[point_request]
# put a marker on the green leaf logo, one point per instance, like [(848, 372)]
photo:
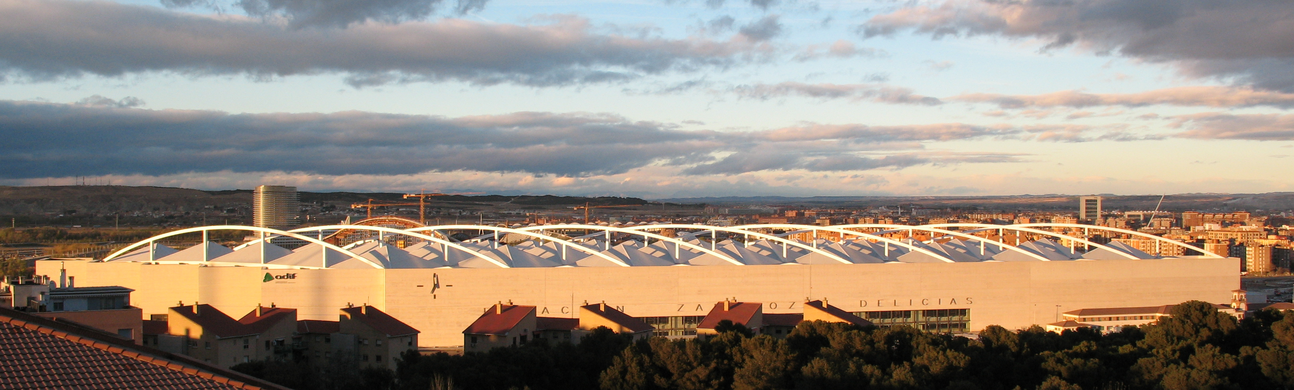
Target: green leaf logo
[(268, 277)]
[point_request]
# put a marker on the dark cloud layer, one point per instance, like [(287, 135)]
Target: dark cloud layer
[(112, 39), (872, 92), (97, 138), (333, 13), (1248, 41), (1254, 127)]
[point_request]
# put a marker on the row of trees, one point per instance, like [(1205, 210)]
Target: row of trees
[(53, 234), (1197, 348)]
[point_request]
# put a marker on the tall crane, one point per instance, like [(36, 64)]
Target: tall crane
[(587, 206), (422, 201), (370, 206)]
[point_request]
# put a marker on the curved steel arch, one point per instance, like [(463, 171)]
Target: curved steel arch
[(578, 247), (410, 234), (676, 241), (326, 245), (985, 226), (843, 230), (829, 255), (1124, 231), (375, 221)]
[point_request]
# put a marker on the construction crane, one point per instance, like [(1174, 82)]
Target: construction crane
[(370, 206), (587, 206), (422, 201)]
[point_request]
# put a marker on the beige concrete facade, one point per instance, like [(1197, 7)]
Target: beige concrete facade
[(1010, 294)]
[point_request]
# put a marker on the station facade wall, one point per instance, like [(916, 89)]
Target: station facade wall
[(443, 302)]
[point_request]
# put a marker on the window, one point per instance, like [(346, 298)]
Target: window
[(58, 306), (379, 342), (366, 357), (126, 333), (246, 358), (378, 358), (207, 344), (246, 343), (267, 345), (473, 339)]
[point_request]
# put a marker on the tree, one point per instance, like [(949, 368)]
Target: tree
[(764, 363)]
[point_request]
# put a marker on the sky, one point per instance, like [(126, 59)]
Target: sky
[(653, 99)]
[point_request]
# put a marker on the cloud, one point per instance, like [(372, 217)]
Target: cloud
[(1181, 96), (113, 39), (1243, 41), (763, 4), (872, 92), (332, 13), (58, 140), (838, 49), (743, 162), (938, 66), (863, 133), (1255, 127), (100, 101), (762, 30)]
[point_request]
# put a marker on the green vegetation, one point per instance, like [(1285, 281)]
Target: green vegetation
[(1197, 348), (53, 235), (14, 268)]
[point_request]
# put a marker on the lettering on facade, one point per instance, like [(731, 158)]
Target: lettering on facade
[(271, 277), (915, 302)]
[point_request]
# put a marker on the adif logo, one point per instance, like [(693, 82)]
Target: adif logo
[(270, 278)]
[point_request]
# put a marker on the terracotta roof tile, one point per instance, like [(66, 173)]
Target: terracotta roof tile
[(37, 353), (842, 315), (262, 318), (620, 318), (494, 322), (738, 313), (212, 320), (380, 321)]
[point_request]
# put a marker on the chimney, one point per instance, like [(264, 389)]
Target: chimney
[(260, 310), (71, 282), (364, 310), (726, 304), (824, 302), (603, 306), (197, 309), (62, 277), (498, 309)]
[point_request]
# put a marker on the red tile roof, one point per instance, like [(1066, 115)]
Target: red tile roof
[(380, 321), (790, 319), (37, 353), (1120, 311), (318, 326), (494, 322), (212, 320), (738, 313), (1126, 311), (262, 318), (551, 323), (839, 314), (618, 317)]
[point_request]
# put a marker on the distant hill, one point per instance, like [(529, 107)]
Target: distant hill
[(1276, 201), (104, 200)]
